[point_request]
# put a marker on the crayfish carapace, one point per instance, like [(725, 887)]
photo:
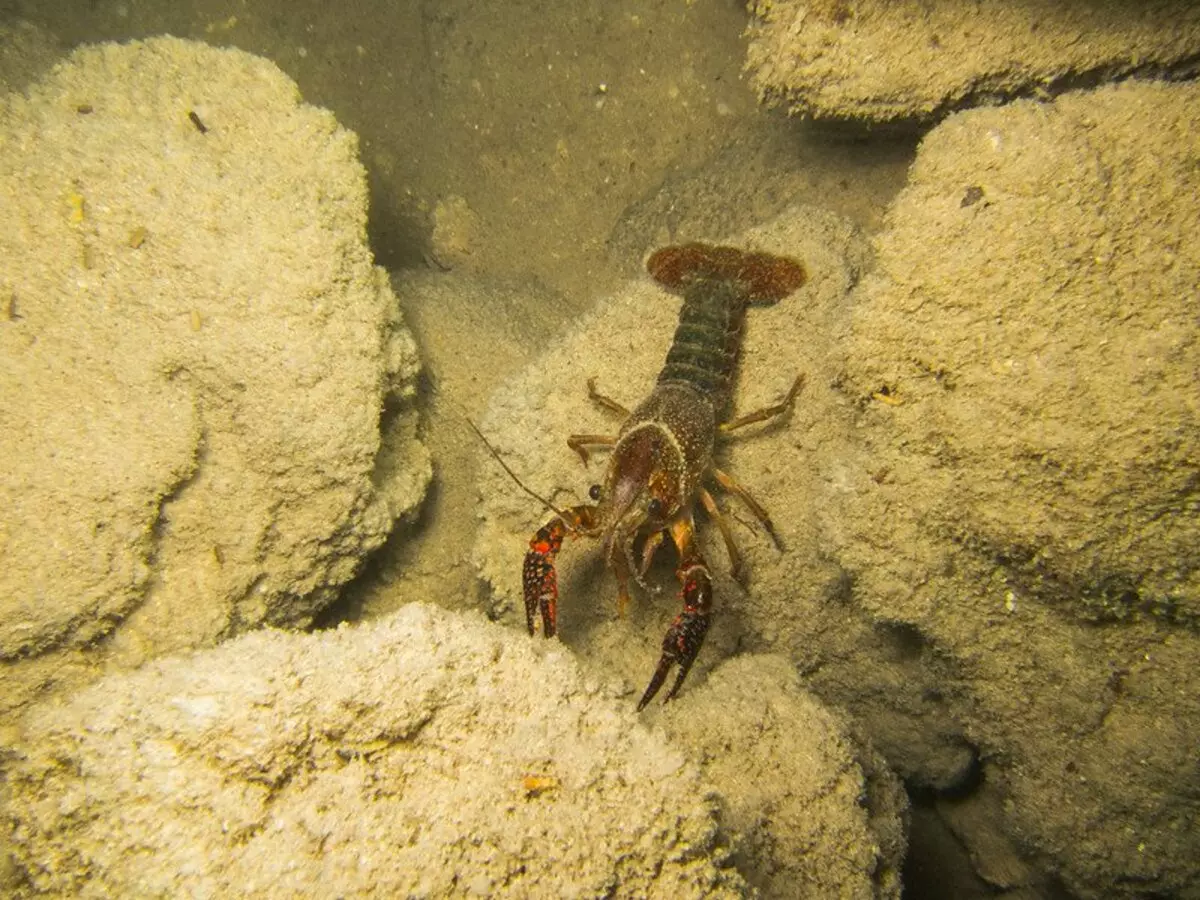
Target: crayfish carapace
[(662, 457)]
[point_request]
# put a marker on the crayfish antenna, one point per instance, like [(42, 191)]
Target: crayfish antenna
[(519, 483)]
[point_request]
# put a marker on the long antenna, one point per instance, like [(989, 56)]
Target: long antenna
[(513, 475)]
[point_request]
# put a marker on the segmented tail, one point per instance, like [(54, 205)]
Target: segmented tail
[(717, 284)]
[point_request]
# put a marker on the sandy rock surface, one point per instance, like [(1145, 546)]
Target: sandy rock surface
[(430, 754), (434, 754), (813, 812), (986, 492), (196, 349), (915, 59), (1025, 357)]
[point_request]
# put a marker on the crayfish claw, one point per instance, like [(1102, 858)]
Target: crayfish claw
[(660, 675), (540, 580), (686, 635), (681, 646), (541, 591)]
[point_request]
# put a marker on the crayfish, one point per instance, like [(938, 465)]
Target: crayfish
[(662, 457)]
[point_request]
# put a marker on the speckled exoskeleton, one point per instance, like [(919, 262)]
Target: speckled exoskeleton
[(662, 457)]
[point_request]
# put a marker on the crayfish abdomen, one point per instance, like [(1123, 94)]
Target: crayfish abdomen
[(662, 456)]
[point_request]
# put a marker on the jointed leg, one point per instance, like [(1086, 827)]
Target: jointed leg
[(607, 402), (621, 564), (767, 412), (726, 481), (718, 518), (580, 442)]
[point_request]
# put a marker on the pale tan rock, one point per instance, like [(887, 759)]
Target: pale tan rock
[(196, 350), (881, 60), (1025, 358), (812, 811), (455, 232), (429, 754)]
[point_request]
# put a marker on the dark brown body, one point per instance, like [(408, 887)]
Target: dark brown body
[(662, 456)]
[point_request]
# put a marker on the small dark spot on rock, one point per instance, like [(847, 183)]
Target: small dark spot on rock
[(972, 196), (904, 639)]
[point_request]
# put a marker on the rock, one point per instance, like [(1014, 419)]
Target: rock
[(1039, 262), (429, 754), (434, 754), (455, 226), (813, 811), (1024, 357), (196, 353), (914, 59), (985, 494)]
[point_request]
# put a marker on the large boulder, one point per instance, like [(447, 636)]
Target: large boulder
[(196, 352), (429, 754), (986, 494), (1024, 493), (879, 60)]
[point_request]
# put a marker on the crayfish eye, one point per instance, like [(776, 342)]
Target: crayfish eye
[(654, 508), (594, 492)]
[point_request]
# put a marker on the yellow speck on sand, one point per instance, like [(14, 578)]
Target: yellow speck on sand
[(75, 202), (225, 25)]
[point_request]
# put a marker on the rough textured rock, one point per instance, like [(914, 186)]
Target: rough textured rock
[(813, 813), (987, 492), (435, 754), (1025, 357), (426, 755), (915, 59), (196, 351), (1033, 319)]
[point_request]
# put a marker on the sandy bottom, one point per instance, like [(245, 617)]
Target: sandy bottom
[(523, 160)]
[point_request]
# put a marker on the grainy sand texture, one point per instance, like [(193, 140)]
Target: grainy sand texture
[(1026, 357), (433, 755)]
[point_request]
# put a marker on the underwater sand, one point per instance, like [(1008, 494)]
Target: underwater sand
[(538, 151)]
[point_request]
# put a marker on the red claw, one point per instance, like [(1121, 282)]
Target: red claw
[(539, 578), (686, 635)]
